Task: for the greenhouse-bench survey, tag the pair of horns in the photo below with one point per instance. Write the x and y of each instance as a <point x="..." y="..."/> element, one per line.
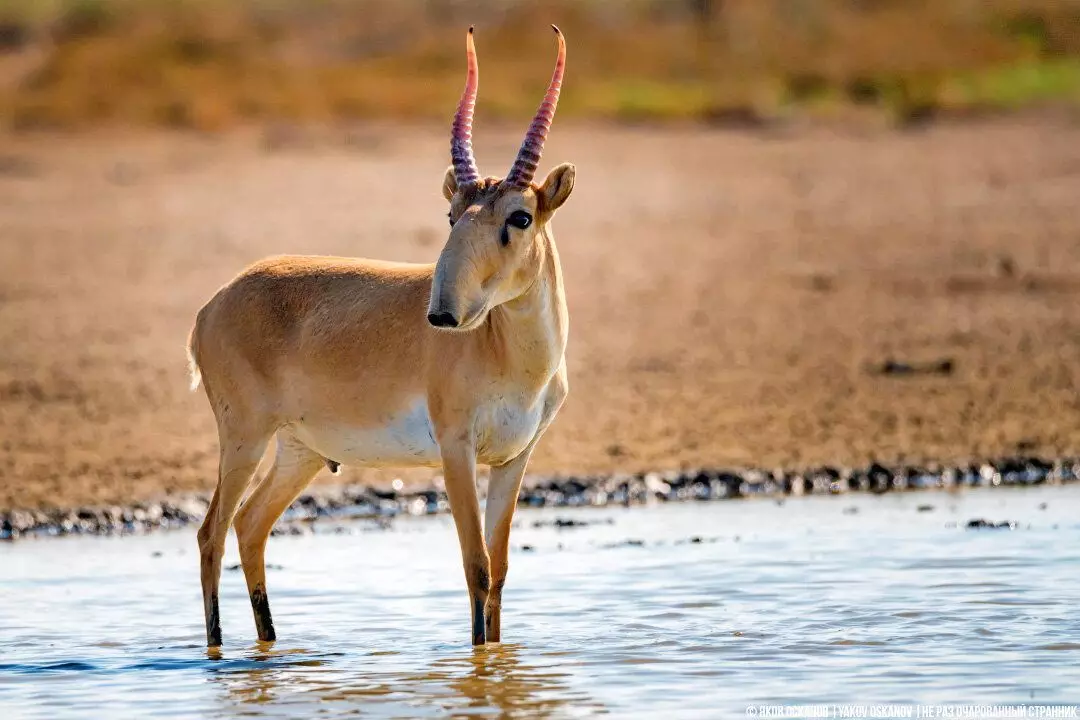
<point x="524" y="167"/>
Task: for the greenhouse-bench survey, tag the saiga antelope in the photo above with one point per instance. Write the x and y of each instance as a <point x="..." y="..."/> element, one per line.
<point x="370" y="363"/>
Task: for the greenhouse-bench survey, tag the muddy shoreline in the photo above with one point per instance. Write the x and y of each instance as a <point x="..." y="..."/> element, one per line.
<point x="323" y="504"/>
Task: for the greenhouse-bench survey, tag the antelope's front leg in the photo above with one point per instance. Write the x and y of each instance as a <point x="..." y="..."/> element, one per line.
<point x="459" y="468"/>
<point x="502" y="496"/>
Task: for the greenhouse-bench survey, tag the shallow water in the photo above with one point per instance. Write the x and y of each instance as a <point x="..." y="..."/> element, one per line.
<point x="693" y="609"/>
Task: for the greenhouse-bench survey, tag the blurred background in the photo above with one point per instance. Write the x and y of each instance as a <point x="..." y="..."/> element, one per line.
<point x="209" y="64"/>
<point x="805" y="234"/>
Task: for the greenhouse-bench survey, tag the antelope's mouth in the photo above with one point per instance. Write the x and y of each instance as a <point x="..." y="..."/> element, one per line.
<point x="473" y="321"/>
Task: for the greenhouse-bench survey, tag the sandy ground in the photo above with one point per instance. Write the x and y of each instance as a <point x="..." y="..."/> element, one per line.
<point x="730" y="293"/>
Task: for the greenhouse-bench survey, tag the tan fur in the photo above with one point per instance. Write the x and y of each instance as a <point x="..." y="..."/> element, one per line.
<point x="335" y="356"/>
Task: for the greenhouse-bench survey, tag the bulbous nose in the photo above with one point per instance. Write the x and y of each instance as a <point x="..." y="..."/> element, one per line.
<point x="442" y="319"/>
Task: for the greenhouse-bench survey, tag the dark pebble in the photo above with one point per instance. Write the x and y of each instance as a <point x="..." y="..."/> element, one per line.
<point x="983" y="524"/>
<point x="697" y="540"/>
<point x="944" y="366"/>
<point x="560" y="523"/>
<point x="925" y="508"/>
<point x="624" y="543"/>
<point x="895" y="367"/>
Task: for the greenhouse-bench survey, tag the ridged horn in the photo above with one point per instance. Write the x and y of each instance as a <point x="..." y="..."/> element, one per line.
<point x="524" y="168"/>
<point x="461" y="153"/>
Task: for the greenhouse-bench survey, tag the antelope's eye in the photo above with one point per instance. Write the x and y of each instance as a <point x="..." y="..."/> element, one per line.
<point x="519" y="219"/>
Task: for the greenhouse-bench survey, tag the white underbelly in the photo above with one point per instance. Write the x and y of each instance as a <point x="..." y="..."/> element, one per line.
<point x="407" y="439"/>
<point x="403" y="440"/>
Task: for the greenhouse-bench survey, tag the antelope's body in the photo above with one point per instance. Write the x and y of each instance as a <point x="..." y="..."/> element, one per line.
<point x="330" y="352"/>
<point x="370" y="363"/>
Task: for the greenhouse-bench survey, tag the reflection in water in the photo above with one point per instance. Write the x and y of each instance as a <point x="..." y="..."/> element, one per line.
<point x="489" y="678"/>
<point x="263" y="675"/>
<point x="494" y="676"/>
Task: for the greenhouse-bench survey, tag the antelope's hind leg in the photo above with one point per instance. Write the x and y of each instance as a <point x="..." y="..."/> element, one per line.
<point x="294" y="468"/>
<point x="241" y="451"/>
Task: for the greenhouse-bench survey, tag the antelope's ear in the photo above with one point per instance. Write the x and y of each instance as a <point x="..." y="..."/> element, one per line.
<point x="449" y="184"/>
<point x="557" y="187"/>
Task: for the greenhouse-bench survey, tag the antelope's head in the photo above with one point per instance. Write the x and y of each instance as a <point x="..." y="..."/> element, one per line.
<point x="497" y="225"/>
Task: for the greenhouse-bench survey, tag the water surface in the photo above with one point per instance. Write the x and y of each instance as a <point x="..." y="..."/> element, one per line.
<point x="690" y="609"/>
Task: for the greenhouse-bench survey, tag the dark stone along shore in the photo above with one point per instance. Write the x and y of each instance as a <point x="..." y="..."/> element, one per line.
<point x="620" y="489"/>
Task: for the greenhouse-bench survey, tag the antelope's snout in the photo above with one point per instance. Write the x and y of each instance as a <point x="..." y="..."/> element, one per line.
<point x="442" y="319"/>
<point x="457" y="301"/>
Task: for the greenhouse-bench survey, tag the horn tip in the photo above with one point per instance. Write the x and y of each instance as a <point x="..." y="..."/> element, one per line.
<point x="471" y="28"/>
<point x="556" y="29"/>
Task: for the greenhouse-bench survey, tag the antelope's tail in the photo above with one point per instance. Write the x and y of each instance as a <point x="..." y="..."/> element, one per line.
<point x="192" y="355"/>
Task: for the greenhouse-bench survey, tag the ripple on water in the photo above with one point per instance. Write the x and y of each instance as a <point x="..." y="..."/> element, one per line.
<point x="803" y="608"/>
<point x="62" y="666"/>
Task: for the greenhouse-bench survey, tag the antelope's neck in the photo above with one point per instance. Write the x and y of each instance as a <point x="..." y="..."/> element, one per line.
<point x="530" y="331"/>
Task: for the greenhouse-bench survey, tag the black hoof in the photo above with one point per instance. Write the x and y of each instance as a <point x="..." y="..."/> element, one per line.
<point x="479" y="633"/>
<point x="213" y="624"/>
<point x="263" y="622"/>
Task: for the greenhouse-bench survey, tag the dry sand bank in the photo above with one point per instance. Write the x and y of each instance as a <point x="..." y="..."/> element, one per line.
<point x="733" y="296"/>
